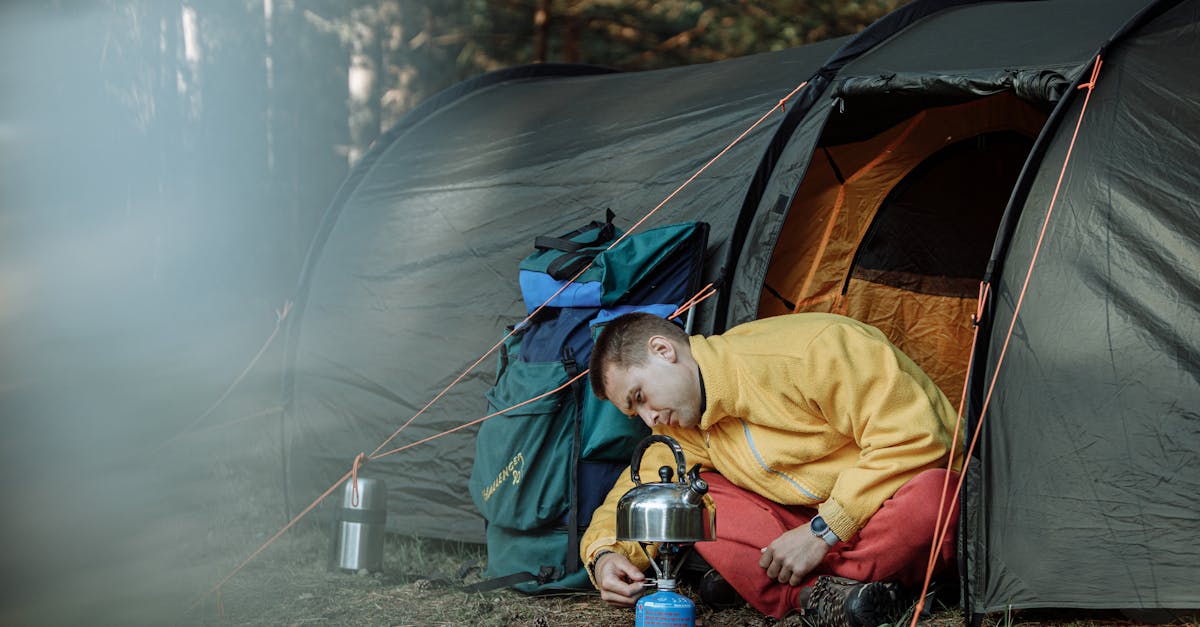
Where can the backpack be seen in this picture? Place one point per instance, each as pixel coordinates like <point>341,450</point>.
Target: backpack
<point>541,469</point>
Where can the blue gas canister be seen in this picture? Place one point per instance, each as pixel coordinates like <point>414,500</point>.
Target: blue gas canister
<point>665,608</point>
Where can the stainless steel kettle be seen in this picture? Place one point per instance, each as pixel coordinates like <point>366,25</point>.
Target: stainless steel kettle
<point>667,511</point>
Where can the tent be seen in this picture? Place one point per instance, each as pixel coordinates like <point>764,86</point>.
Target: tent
<point>922,156</point>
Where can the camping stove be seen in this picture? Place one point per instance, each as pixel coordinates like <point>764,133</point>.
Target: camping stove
<point>672,515</point>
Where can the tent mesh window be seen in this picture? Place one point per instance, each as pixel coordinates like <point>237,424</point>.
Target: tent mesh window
<point>933,233</point>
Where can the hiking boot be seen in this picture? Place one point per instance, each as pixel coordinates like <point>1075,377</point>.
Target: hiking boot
<point>717,593</point>
<point>694,567</point>
<point>712,587</point>
<point>841,602</point>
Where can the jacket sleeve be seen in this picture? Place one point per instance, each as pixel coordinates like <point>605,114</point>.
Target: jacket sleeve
<point>870,391</point>
<point>601,534</point>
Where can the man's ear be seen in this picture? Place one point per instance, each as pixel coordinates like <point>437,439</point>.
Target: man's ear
<point>662,347</point>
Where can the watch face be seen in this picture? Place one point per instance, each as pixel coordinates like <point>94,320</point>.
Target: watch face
<point>818,525</point>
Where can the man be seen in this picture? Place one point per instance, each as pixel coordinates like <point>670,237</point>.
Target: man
<point>821,443</point>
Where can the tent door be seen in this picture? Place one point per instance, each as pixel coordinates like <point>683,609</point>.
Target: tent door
<point>896,229</point>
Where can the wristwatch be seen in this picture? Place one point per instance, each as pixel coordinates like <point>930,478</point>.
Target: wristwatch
<point>822,530</point>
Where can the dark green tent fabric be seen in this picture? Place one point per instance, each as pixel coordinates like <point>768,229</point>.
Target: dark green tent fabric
<point>962,51</point>
<point>1089,474</point>
<point>416,275</point>
<point>1085,483</point>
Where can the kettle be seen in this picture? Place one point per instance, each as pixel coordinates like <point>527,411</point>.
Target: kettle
<point>666,511</point>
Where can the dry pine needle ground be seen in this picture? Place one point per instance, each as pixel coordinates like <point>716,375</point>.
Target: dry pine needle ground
<point>292,584</point>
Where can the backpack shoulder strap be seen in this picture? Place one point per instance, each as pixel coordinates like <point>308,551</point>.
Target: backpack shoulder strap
<point>572,368</point>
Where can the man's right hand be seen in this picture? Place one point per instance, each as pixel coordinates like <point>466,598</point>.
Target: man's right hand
<point>619,581</point>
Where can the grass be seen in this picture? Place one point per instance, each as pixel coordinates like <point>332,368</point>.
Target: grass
<point>292,585</point>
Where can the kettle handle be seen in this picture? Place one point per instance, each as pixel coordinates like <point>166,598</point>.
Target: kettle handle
<point>636,462</point>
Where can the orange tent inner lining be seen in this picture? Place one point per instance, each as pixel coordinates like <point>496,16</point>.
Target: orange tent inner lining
<point>813,267</point>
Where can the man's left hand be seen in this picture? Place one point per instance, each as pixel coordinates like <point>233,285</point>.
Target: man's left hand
<point>792,555</point>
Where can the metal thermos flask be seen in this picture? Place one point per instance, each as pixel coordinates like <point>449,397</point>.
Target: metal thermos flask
<point>359,526</point>
<point>665,608</point>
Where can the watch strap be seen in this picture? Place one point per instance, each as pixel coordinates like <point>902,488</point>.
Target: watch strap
<point>592,565</point>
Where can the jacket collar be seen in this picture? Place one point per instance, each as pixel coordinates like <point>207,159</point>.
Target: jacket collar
<point>717,390</point>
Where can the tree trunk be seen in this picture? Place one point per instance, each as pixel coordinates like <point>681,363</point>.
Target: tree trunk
<point>362,82</point>
<point>541,23</point>
<point>570,39</point>
<point>269,75</point>
<point>164,127</point>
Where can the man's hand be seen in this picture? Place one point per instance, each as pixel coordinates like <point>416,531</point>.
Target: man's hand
<point>792,555</point>
<point>619,581</point>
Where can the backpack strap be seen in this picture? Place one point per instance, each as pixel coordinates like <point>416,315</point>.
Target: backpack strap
<point>567,243</point>
<point>570,264</point>
<point>572,557</point>
<point>546,575</point>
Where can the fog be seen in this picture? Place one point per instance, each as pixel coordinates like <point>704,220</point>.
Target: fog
<point>141,267</point>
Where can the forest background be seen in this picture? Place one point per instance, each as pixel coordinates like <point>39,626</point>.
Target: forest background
<point>164,165</point>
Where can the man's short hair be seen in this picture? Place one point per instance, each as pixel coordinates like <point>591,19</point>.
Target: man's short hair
<point>622,343</point>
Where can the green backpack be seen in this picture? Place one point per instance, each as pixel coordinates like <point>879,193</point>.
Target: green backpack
<point>541,469</point>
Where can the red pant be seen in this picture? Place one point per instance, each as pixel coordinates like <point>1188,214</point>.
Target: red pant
<point>894,546</point>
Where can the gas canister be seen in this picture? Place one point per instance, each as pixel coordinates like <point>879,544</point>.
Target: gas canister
<point>665,608</point>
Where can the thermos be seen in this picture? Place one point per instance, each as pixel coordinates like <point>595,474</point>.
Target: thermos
<point>665,608</point>
<point>359,525</point>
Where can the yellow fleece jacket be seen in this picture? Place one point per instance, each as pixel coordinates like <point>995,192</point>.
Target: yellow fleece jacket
<point>804,409</point>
